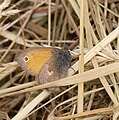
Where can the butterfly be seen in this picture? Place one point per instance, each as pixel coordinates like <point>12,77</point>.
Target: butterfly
<point>46,63</point>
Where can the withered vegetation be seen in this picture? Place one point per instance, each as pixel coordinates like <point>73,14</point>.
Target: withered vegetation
<point>90,30</point>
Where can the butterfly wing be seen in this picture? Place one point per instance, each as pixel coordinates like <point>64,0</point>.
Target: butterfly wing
<point>49,73</point>
<point>32,59</point>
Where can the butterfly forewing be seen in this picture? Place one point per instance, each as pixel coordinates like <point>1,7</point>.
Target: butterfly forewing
<point>35,59</point>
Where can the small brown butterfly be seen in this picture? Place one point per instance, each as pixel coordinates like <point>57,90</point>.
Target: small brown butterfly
<point>47,64</point>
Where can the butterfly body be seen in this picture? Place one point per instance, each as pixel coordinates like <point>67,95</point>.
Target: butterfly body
<point>47,64</point>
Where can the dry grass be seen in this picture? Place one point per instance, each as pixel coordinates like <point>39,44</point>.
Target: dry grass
<point>90,29</point>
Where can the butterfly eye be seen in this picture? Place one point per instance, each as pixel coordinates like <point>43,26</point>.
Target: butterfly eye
<point>26,58</point>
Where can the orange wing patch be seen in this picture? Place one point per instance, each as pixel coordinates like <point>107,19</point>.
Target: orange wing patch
<point>37,58</point>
